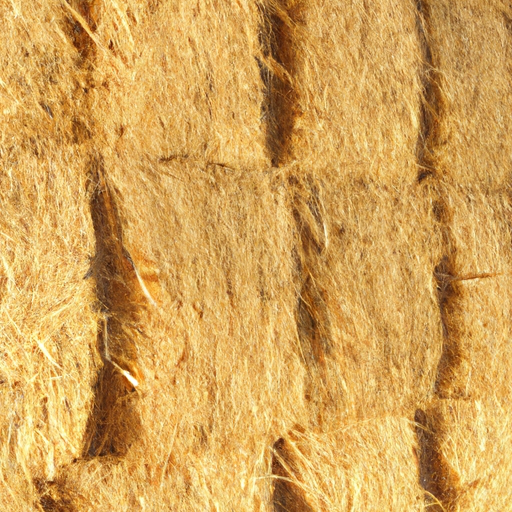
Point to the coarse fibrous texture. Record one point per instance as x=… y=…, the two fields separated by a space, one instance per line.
x=465 y=428
x=255 y=255
x=48 y=359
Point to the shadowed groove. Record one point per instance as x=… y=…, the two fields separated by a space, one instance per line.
x=435 y=474
x=278 y=68
x=313 y=321
x=280 y=21
x=507 y=19
x=82 y=22
x=312 y=313
x=114 y=422
x=287 y=495
x=313 y=325
x=278 y=72
x=53 y=496
x=451 y=358
x=431 y=105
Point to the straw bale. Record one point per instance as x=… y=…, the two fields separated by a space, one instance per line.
x=470 y=46
x=222 y=376
x=343 y=469
x=474 y=295
x=179 y=80
x=382 y=331
x=232 y=373
x=357 y=89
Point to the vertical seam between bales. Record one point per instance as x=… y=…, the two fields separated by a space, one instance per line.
x=436 y=476
x=113 y=422
x=115 y=275
x=277 y=63
x=282 y=20
x=277 y=60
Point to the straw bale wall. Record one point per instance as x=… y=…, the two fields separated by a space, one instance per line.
x=255 y=255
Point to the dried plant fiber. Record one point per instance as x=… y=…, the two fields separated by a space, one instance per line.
x=255 y=255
